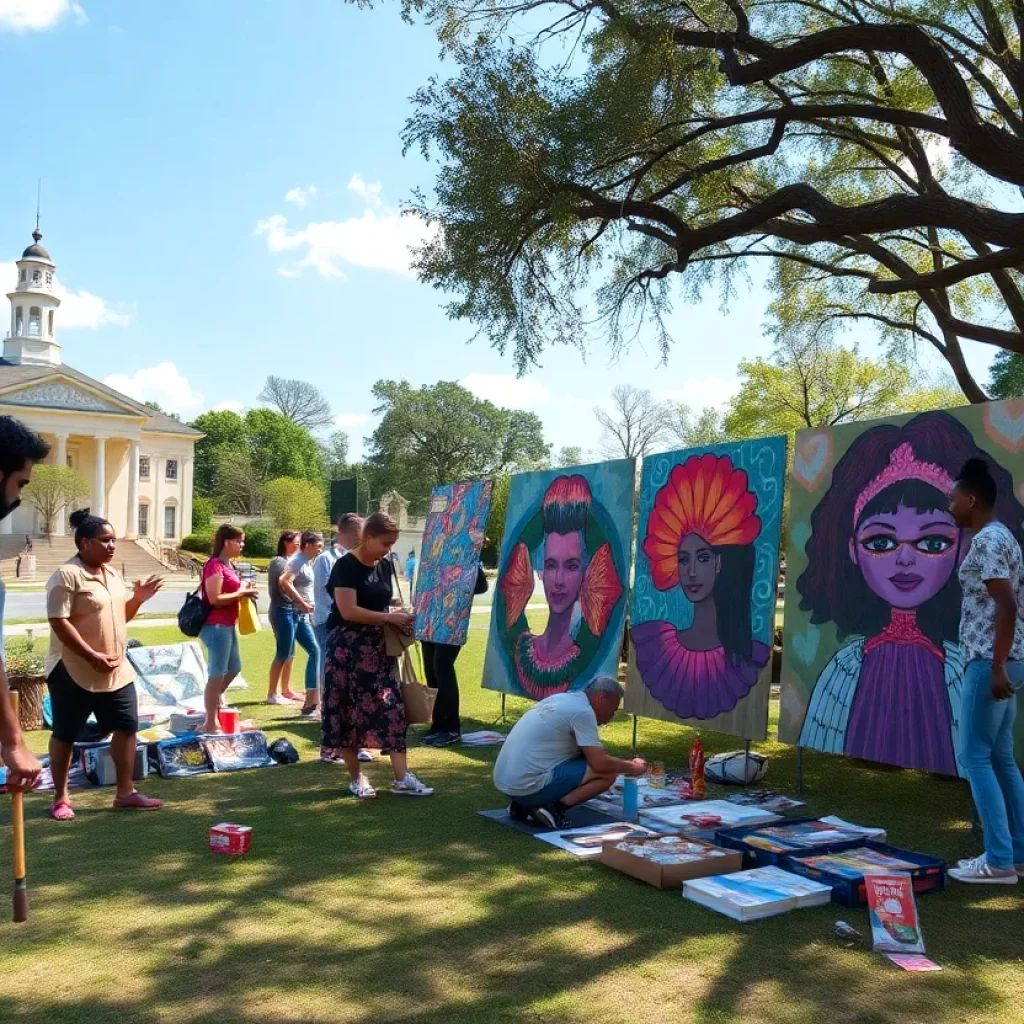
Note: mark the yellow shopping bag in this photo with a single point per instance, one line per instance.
(248, 617)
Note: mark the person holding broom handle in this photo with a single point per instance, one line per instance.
(20, 450)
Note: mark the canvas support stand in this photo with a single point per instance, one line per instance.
(799, 769)
(634, 735)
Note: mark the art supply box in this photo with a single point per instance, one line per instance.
(234, 840)
(98, 764)
(669, 875)
(844, 870)
(764, 845)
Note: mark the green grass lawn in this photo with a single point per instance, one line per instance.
(419, 910)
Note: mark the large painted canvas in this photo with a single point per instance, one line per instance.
(707, 568)
(567, 540)
(871, 667)
(449, 559)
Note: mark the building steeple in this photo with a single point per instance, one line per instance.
(32, 338)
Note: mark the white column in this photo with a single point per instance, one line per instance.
(62, 461)
(99, 495)
(156, 510)
(185, 526)
(133, 491)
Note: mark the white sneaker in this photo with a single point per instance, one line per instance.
(366, 756)
(411, 786)
(361, 788)
(275, 699)
(979, 871)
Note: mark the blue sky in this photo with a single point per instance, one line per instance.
(221, 183)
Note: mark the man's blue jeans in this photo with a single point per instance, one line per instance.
(986, 736)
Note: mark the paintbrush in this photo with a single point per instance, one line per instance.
(18, 839)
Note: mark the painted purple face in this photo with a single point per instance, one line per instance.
(906, 556)
(563, 569)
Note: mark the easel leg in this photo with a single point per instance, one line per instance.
(746, 761)
(634, 735)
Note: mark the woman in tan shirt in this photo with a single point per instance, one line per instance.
(89, 607)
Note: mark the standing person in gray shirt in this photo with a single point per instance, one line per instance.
(280, 667)
(295, 623)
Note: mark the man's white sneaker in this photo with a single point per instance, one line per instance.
(365, 756)
(980, 872)
(410, 786)
(361, 788)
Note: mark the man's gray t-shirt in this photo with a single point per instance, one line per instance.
(302, 567)
(550, 733)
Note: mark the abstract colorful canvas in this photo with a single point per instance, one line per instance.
(449, 559)
(567, 533)
(707, 565)
(871, 667)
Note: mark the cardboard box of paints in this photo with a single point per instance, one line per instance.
(233, 840)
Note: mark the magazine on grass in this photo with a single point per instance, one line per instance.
(893, 910)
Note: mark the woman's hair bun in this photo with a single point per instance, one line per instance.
(78, 517)
(975, 469)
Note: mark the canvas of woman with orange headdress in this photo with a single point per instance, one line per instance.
(560, 533)
(705, 582)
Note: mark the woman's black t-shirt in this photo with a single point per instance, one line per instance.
(372, 584)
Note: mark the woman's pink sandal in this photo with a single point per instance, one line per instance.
(62, 811)
(137, 802)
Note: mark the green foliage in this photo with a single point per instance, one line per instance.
(24, 657)
(495, 532)
(198, 543)
(681, 147)
(295, 504)
(569, 456)
(202, 515)
(1006, 378)
(239, 454)
(335, 456)
(260, 542)
(441, 434)
(55, 490)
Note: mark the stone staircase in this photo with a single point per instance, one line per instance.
(131, 560)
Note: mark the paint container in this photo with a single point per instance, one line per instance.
(228, 718)
(234, 840)
(630, 799)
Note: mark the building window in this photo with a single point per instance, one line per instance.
(49, 329)
(172, 469)
(170, 515)
(143, 467)
(19, 322)
(49, 278)
(37, 276)
(21, 274)
(35, 321)
(143, 520)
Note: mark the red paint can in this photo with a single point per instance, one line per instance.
(234, 840)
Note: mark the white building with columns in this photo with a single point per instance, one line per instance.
(138, 462)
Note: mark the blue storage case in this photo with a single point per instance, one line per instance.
(758, 857)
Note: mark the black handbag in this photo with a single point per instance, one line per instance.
(193, 614)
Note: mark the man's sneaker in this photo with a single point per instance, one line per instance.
(429, 737)
(366, 756)
(517, 812)
(979, 872)
(410, 786)
(308, 712)
(444, 739)
(361, 788)
(332, 759)
(551, 816)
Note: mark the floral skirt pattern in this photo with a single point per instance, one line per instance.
(362, 700)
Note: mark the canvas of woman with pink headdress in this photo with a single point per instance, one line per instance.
(704, 592)
(876, 570)
(559, 603)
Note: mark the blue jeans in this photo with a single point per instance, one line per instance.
(564, 779)
(221, 650)
(291, 626)
(986, 729)
(320, 631)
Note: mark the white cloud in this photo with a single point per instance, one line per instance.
(36, 15)
(380, 239)
(300, 196)
(348, 420)
(77, 309)
(505, 390)
(370, 191)
(230, 405)
(700, 392)
(162, 384)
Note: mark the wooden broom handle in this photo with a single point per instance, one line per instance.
(17, 818)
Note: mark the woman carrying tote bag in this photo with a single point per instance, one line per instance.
(362, 701)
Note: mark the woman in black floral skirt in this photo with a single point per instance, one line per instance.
(362, 700)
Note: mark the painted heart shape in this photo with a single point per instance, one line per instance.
(806, 644)
(811, 459)
(1004, 423)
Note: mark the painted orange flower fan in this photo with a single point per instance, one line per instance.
(704, 495)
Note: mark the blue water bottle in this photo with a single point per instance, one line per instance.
(630, 799)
